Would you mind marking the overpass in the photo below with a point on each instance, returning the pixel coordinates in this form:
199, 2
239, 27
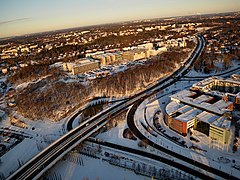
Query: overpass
35, 167
214, 171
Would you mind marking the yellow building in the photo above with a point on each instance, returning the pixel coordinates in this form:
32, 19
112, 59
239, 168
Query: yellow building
208, 114
136, 54
80, 66
220, 130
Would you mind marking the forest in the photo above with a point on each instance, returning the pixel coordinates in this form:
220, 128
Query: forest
53, 98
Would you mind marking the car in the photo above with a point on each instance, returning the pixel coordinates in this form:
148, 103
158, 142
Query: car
175, 138
194, 139
106, 154
183, 142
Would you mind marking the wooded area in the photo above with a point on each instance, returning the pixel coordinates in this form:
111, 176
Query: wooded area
51, 98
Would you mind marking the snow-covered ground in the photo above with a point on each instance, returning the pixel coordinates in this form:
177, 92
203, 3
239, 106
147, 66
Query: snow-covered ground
45, 132
235, 66
41, 133
106, 159
77, 166
17, 156
217, 155
85, 169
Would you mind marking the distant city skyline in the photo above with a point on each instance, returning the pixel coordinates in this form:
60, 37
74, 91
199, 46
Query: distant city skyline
32, 16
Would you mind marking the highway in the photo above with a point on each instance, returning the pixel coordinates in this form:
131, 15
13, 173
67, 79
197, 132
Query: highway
35, 167
141, 136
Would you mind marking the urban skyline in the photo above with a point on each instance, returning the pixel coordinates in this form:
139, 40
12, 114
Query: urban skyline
24, 17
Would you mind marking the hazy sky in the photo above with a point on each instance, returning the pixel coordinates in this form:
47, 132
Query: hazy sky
19, 17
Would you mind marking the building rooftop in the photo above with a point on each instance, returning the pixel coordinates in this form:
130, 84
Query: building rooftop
189, 115
207, 117
83, 61
200, 102
184, 109
205, 82
135, 51
222, 122
172, 107
202, 98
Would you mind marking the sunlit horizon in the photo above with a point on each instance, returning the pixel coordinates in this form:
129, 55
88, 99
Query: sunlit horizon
24, 17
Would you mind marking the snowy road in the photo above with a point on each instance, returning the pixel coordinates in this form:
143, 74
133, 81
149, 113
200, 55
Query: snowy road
47, 158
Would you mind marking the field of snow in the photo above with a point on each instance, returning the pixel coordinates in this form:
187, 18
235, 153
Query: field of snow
17, 156
218, 155
83, 167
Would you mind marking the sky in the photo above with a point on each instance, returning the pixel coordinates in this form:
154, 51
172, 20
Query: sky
18, 17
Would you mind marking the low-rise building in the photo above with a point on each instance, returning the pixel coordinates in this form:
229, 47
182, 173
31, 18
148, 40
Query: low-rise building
80, 66
136, 54
107, 58
146, 46
204, 108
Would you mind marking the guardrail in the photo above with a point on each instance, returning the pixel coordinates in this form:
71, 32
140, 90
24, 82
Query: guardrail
49, 156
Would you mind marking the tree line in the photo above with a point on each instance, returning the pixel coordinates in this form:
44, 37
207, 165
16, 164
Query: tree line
52, 98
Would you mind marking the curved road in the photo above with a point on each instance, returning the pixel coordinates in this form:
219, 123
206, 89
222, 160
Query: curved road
49, 156
134, 129
154, 157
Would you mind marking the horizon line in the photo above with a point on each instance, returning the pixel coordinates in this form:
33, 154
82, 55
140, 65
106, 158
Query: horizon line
124, 21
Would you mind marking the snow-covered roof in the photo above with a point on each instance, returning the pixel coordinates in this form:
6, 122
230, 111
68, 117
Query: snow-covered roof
226, 124
199, 108
207, 117
222, 122
218, 122
206, 81
184, 109
85, 61
222, 104
183, 94
206, 105
200, 102
172, 107
233, 81
189, 115
215, 93
202, 98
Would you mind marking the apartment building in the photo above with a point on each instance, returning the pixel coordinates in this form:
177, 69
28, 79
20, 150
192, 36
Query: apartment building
80, 66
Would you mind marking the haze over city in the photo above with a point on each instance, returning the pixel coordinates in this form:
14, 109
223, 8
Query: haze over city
23, 17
